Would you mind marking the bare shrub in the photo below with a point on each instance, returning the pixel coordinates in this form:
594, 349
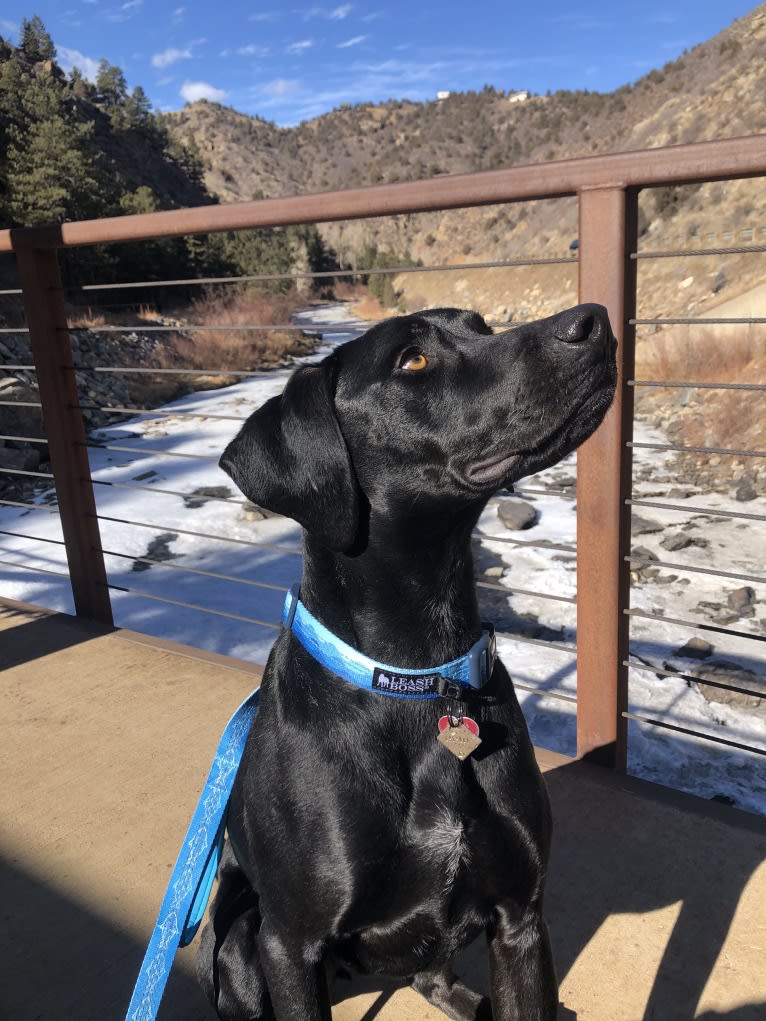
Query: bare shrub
721, 354
702, 417
227, 343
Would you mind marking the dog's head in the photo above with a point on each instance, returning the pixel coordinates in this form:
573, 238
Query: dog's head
425, 411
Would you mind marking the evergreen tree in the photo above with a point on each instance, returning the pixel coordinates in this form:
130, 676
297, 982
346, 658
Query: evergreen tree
138, 109
51, 174
112, 92
36, 44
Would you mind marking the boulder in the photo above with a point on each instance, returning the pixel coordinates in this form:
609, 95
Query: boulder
644, 526
695, 648
725, 672
517, 515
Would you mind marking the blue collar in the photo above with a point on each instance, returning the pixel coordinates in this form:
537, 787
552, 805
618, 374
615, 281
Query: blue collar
451, 679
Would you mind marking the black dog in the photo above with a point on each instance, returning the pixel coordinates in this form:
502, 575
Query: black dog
356, 838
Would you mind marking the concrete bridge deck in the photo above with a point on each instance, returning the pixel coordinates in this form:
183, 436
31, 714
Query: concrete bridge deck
656, 903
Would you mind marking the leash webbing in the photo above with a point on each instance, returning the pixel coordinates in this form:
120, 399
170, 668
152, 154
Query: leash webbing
192, 878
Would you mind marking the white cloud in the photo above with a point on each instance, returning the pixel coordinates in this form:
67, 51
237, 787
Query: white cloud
352, 42
9, 26
280, 87
192, 92
73, 58
252, 51
264, 16
170, 56
334, 14
124, 11
300, 47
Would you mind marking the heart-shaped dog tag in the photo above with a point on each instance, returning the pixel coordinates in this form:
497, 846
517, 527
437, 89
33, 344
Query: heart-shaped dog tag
461, 737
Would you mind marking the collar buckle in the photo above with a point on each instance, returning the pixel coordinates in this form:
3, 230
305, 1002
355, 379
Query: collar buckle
481, 658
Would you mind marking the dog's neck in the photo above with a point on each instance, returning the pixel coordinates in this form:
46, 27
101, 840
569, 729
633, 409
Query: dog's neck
408, 598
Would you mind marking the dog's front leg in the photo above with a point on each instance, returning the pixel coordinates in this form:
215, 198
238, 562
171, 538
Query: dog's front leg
441, 987
523, 981
295, 978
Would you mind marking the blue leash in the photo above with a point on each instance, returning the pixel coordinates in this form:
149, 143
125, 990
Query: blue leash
192, 878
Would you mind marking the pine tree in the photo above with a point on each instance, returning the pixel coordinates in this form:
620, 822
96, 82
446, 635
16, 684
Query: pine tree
36, 44
112, 92
51, 173
138, 109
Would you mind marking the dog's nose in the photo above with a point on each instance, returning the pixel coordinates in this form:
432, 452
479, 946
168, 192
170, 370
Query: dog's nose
583, 323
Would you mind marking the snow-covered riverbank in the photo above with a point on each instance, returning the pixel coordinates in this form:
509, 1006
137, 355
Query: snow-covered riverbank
149, 519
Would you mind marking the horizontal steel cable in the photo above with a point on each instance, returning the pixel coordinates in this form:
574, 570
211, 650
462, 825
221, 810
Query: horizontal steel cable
513, 591
645, 562
696, 450
566, 494
689, 509
697, 386
141, 371
571, 650
682, 252
703, 321
208, 328
33, 538
691, 679
195, 570
148, 452
51, 508
159, 413
694, 733
37, 570
525, 542
202, 535
24, 471
24, 439
715, 628
193, 606
331, 273
542, 693
172, 492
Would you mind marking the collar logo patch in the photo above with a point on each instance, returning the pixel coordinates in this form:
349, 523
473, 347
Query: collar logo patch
405, 684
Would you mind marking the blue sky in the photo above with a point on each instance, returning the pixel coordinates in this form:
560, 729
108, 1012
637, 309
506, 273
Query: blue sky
288, 62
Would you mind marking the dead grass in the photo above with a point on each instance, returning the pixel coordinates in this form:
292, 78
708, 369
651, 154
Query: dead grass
227, 345
368, 307
86, 318
722, 354
733, 419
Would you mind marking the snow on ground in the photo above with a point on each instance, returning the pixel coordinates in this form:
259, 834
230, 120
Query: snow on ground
148, 519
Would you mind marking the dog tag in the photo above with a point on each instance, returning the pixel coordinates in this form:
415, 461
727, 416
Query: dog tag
460, 738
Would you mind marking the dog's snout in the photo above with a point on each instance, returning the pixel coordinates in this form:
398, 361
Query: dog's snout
581, 324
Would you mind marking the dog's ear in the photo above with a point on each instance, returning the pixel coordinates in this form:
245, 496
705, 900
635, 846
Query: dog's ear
290, 457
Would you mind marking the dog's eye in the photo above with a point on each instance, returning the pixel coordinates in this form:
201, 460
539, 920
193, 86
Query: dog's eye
412, 359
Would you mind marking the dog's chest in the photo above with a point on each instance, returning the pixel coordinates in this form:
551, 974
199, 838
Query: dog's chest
438, 836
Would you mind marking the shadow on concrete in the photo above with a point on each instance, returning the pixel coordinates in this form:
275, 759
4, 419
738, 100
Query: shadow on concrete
60, 961
45, 633
640, 852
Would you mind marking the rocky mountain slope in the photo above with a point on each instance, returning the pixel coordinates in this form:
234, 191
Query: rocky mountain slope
710, 92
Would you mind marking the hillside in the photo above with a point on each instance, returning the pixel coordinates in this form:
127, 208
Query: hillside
710, 92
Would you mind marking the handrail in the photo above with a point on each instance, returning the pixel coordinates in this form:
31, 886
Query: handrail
607, 189
676, 164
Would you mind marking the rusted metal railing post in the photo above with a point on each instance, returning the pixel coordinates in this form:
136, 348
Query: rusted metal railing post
64, 428
608, 234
